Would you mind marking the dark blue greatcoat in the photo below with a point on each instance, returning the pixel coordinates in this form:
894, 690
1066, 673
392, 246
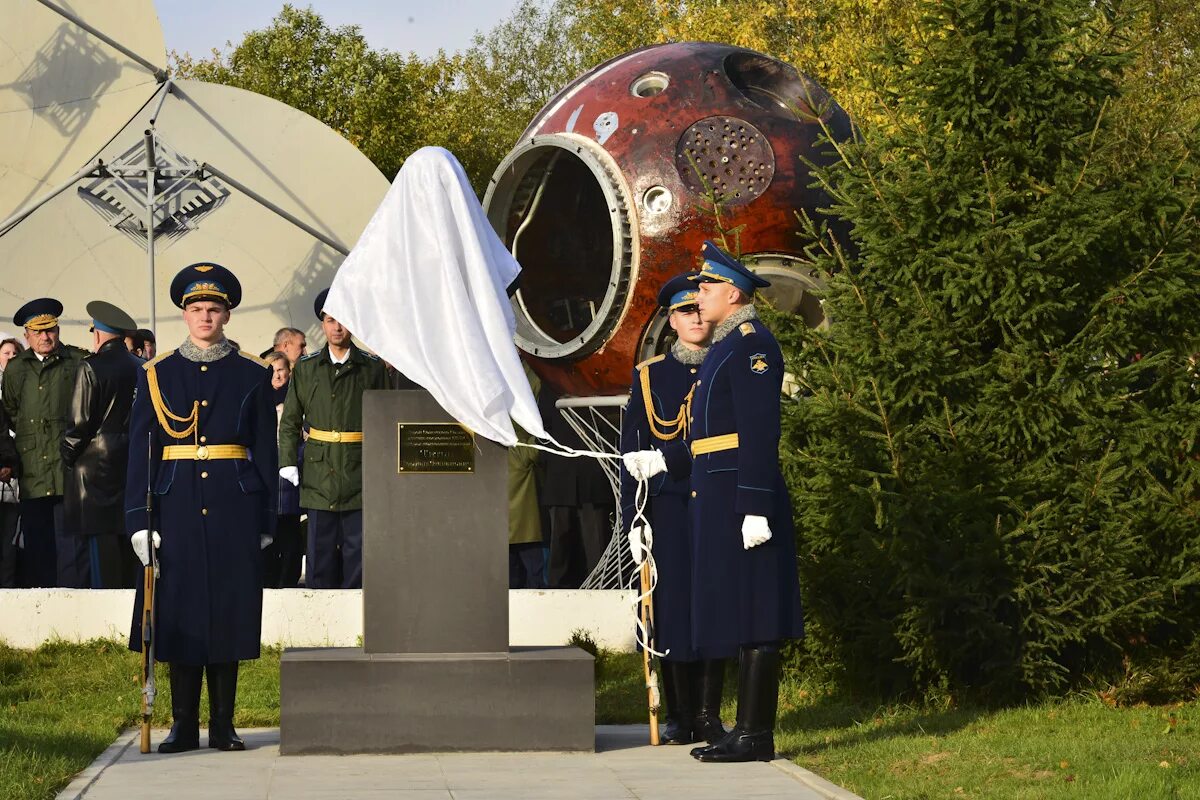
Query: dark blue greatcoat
666, 505
741, 596
210, 514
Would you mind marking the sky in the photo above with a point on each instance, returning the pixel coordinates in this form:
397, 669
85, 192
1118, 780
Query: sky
197, 26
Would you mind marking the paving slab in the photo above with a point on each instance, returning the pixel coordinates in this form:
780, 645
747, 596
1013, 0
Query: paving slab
623, 766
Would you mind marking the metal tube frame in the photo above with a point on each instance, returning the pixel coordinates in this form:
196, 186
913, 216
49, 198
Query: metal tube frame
151, 199
267, 204
90, 171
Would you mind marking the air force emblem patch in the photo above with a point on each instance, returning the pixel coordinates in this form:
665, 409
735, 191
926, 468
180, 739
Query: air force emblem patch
758, 363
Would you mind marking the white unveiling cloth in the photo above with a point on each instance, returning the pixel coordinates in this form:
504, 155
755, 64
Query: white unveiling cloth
425, 288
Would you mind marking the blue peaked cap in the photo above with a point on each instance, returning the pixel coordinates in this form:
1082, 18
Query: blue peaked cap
206, 281
679, 291
720, 267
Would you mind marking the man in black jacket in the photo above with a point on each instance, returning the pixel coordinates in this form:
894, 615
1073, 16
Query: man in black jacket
95, 449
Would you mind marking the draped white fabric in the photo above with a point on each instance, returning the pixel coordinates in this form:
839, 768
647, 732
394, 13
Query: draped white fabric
425, 288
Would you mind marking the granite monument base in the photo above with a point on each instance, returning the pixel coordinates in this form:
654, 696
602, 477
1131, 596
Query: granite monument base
342, 701
435, 672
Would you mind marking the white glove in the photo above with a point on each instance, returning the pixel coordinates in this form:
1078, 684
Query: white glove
290, 474
755, 531
644, 464
140, 547
636, 548
264, 539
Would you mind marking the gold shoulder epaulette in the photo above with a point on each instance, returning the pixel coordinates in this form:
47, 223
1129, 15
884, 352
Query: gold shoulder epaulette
251, 357
157, 359
746, 328
652, 360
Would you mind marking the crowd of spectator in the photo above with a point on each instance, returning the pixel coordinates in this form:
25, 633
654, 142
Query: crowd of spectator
560, 517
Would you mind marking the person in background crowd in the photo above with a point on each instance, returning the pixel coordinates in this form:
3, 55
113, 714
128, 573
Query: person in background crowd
326, 394
281, 560
579, 503
292, 343
526, 552
212, 467
656, 414
9, 497
10, 494
37, 387
95, 449
9, 349
141, 343
149, 345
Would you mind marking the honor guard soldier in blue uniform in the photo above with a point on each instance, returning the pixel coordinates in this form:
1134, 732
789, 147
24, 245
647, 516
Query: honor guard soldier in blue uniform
326, 395
205, 411
692, 681
745, 590
37, 396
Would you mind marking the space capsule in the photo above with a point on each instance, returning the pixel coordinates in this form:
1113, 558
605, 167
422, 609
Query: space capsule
608, 193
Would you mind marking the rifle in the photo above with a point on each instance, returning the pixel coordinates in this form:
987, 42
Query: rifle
647, 616
149, 578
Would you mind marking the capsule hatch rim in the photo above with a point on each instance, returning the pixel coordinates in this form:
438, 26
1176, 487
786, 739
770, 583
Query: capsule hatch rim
497, 202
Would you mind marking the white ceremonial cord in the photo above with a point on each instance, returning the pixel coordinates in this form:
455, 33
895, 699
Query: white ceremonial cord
639, 513
569, 452
641, 497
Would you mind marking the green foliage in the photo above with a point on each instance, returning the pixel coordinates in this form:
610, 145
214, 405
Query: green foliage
378, 100
474, 103
995, 467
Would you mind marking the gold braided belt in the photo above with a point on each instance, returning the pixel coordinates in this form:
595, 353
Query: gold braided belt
334, 436
204, 452
715, 444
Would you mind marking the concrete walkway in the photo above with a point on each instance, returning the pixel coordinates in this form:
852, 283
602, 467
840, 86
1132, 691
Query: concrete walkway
623, 766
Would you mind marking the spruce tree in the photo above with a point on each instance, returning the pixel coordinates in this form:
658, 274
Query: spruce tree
994, 459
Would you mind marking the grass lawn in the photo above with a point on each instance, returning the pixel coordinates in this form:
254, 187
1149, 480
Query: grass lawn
61, 705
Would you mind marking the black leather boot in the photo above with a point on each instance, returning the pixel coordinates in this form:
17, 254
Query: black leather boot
677, 690
743, 684
222, 691
708, 683
185, 709
753, 738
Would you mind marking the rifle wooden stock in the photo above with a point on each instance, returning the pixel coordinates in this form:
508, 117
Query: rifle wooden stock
147, 651
149, 576
647, 613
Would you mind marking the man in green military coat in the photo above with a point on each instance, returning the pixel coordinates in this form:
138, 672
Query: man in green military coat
326, 395
37, 396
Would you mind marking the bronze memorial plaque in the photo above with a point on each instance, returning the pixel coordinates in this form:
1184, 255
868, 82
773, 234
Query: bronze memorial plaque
434, 447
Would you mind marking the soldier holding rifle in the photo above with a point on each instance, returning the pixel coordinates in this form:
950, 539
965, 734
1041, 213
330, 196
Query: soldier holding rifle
746, 591
692, 681
206, 410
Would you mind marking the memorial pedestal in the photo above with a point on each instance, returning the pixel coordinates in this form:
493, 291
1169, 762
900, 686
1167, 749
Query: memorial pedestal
435, 672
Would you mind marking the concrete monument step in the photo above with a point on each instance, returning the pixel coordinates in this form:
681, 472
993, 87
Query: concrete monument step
623, 766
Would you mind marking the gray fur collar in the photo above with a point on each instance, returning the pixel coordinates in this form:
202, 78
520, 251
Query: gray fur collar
215, 352
743, 314
685, 355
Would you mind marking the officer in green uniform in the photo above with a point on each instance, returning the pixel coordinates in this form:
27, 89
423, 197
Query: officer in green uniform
326, 395
37, 396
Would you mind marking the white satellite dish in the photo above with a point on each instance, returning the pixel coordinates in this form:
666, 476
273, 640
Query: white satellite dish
241, 179
64, 91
